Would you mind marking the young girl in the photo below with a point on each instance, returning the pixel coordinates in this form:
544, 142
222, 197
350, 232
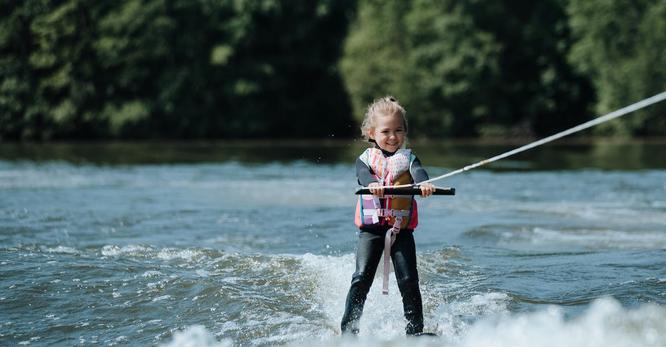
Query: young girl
383, 218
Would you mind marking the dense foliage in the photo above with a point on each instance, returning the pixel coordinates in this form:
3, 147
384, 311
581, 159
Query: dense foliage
468, 67
183, 69
621, 47
172, 69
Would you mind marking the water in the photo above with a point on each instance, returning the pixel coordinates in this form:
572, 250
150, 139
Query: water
253, 245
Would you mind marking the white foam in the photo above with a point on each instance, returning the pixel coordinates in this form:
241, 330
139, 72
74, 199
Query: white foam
173, 253
453, 319
60, 250
195, 336
383, 315
605, 323
188, 255
163, 297
152, 274
132, 250
596, 238
332, 277
617, 213
481, 304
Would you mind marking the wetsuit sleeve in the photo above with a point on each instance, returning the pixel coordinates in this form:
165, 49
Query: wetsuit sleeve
417, 171
364, 173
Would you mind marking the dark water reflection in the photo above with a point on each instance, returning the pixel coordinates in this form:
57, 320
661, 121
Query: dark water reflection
572, 155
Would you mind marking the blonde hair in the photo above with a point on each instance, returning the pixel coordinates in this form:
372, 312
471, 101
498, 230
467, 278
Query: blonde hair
386, 106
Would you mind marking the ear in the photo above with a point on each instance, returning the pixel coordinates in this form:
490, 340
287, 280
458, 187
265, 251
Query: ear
370, 133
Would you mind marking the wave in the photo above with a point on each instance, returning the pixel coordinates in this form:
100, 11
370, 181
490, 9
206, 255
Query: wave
605, 323
268, 299
196, 336
589, 238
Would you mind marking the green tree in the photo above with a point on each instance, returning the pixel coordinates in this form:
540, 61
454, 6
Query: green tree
133, 47
48, 88
621, 46
16, 79
63, 60
449, 60
282, 74
225, 69
172, 69
465, 68
536, 91
427, 53
376, 53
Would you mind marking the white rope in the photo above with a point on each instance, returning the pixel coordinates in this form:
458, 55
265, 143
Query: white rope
615, 114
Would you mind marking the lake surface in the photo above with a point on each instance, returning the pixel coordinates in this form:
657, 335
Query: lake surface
252, 244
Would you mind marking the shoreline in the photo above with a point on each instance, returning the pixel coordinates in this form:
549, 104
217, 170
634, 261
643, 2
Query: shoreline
336, 142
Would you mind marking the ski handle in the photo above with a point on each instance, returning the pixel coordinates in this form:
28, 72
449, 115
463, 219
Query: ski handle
415, 190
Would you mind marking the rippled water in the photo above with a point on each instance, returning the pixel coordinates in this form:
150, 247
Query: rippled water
235, 248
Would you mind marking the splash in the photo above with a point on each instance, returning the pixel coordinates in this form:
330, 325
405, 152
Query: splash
195, 336
605, 323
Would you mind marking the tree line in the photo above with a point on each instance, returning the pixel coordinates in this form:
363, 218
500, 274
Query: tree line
226, 69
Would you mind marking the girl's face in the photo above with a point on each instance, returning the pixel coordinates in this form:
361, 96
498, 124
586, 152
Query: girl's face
389, 132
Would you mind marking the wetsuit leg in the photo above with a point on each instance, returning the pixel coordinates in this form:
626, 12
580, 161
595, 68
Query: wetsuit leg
403, 254
368, 253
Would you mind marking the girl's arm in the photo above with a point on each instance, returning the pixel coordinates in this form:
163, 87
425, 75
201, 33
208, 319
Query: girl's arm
419, 174
367, 178
364, 174
417, 171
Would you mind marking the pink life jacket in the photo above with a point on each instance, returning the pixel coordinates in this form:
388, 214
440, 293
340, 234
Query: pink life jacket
393, 170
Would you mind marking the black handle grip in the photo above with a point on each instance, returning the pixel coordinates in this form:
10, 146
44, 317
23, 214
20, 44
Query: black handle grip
409, 191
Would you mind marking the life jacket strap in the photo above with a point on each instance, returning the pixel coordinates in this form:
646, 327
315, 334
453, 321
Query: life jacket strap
389, 239
385, 212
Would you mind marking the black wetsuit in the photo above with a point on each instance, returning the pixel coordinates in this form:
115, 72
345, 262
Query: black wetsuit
368, 254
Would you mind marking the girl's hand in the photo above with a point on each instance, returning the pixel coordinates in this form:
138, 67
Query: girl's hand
378, 192
427, 189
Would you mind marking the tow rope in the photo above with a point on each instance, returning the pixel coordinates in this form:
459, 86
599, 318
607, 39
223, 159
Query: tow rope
610, 116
